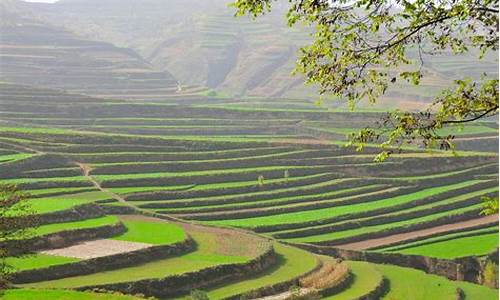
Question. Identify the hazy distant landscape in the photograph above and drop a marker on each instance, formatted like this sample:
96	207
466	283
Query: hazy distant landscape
167	149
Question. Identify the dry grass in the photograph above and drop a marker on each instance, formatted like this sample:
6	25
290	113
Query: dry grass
327	276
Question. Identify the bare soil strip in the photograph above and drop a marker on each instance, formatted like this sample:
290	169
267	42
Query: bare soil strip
367	244
97	248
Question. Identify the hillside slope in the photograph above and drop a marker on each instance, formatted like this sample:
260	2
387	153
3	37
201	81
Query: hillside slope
36	53
202	43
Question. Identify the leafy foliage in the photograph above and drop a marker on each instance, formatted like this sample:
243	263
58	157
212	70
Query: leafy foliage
490	274
16	222
490	205
198	295
363	47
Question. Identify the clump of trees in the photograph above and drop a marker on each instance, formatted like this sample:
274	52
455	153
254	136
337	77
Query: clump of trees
17	221
363	47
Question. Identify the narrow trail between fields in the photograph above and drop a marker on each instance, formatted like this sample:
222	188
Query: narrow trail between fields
86	169
367	244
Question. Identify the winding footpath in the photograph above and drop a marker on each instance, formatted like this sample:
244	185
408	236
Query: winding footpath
86	169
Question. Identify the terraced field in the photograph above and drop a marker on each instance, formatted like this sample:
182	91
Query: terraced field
157	183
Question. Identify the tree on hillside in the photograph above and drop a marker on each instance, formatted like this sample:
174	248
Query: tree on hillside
362	47
16	223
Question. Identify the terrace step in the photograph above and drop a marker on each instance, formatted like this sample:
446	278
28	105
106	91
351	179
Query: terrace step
103	256
65	234
368	283
407	283
292	265
420	234
214	249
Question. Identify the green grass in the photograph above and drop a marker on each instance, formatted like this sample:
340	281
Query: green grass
204	256
467	130
292	262
209	186
221	159
300	189
34	294
213	153
434	206
51	180
38	261
439	238
14	157
366	278
130	190
378	228
55	203
411	284
312	215
237	184
150	232
69	191
440	175
90	223
214	172
460	247
455	130
37	130
362	190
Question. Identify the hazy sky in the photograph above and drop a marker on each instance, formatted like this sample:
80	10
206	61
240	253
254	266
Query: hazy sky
45	1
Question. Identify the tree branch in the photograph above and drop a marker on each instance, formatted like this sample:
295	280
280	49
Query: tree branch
473	119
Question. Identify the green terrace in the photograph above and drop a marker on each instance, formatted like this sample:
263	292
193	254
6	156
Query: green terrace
207	254
314	215
462	200
464	243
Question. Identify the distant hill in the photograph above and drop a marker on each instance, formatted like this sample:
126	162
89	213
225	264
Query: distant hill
37	53
201	43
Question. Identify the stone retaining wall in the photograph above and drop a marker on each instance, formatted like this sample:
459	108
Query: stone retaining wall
465	216
274	289
76	213
465	270
178	285
343	284
61	239
119	209
381	289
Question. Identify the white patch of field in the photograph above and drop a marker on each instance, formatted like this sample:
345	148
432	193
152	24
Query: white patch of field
97	248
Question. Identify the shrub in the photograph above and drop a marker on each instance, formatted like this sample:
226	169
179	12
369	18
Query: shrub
490	274
260	180
329	275
198	295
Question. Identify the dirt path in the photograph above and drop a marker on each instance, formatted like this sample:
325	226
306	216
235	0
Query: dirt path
97	248
86	169
367	244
